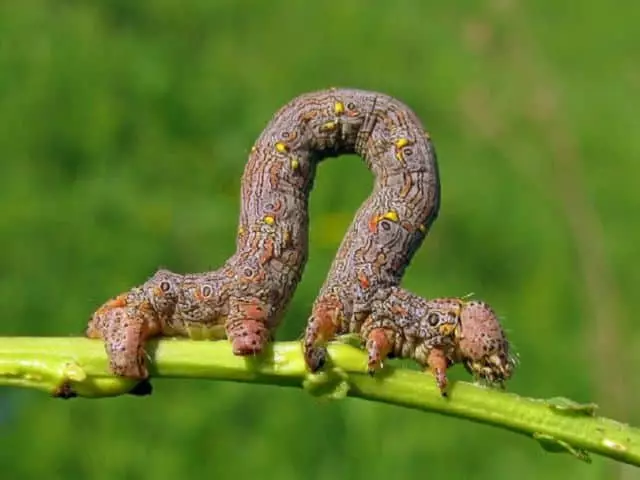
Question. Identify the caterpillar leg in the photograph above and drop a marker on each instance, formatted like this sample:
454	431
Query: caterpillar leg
125	328
378	347
437	364
246	327
321	328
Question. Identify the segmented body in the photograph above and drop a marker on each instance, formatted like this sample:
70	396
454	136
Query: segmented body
387	229
246	298
248	295
362	287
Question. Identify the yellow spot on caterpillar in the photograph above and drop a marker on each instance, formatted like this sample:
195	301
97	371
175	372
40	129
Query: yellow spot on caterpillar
427	135
373	223
281	147
269	220
422	228
295	163
447	329
338	108
253	149
241	231
329	126
402	142
457	334
391	215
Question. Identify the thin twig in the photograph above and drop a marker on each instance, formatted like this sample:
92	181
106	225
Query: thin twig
78	367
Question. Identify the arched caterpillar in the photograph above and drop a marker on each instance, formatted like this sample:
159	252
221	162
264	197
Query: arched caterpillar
246	298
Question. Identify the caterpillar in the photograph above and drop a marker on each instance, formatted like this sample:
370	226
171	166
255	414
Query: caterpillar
246	298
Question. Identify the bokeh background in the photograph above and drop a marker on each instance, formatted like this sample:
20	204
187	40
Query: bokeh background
124	129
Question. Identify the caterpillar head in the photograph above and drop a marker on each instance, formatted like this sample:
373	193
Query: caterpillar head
481	345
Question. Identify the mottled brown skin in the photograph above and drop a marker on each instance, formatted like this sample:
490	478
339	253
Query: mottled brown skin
387	230
363	284
246	298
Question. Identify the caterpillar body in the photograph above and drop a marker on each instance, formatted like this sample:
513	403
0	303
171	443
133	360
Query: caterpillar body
246	298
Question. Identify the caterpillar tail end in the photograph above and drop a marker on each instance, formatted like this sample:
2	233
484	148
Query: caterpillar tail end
124	330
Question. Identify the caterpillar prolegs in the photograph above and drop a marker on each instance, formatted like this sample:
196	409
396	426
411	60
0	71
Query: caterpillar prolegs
247	297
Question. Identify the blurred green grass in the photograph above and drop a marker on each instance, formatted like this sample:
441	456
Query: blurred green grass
124	128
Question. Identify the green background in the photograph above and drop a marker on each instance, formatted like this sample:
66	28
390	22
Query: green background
124	128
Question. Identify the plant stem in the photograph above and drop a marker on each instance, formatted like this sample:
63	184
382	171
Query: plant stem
61	366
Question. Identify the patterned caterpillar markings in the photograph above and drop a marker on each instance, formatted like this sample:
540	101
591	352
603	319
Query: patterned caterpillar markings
387	230
247	297
362	285
437	334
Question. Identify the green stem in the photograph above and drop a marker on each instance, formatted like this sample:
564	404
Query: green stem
79	365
